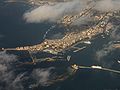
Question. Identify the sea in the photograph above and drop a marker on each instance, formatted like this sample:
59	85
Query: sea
15	32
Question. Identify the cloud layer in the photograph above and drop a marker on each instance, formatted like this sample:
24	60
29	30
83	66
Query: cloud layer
14	82
42	76
107	5
52	13
104	51
7	75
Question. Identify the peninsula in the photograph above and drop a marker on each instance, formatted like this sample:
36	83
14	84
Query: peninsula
58	45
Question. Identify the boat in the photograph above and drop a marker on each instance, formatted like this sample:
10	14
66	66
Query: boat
97	67
68	58
87	42
118	61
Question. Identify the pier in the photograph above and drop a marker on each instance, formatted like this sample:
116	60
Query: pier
76	67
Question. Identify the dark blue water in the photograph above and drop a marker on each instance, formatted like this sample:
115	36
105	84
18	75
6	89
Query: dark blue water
14	29
16	32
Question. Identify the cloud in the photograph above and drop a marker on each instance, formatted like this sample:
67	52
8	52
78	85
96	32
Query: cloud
107	5
8	79
4	57
104	51
102	55
82	20
115	34
53	12
17	83
42	76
